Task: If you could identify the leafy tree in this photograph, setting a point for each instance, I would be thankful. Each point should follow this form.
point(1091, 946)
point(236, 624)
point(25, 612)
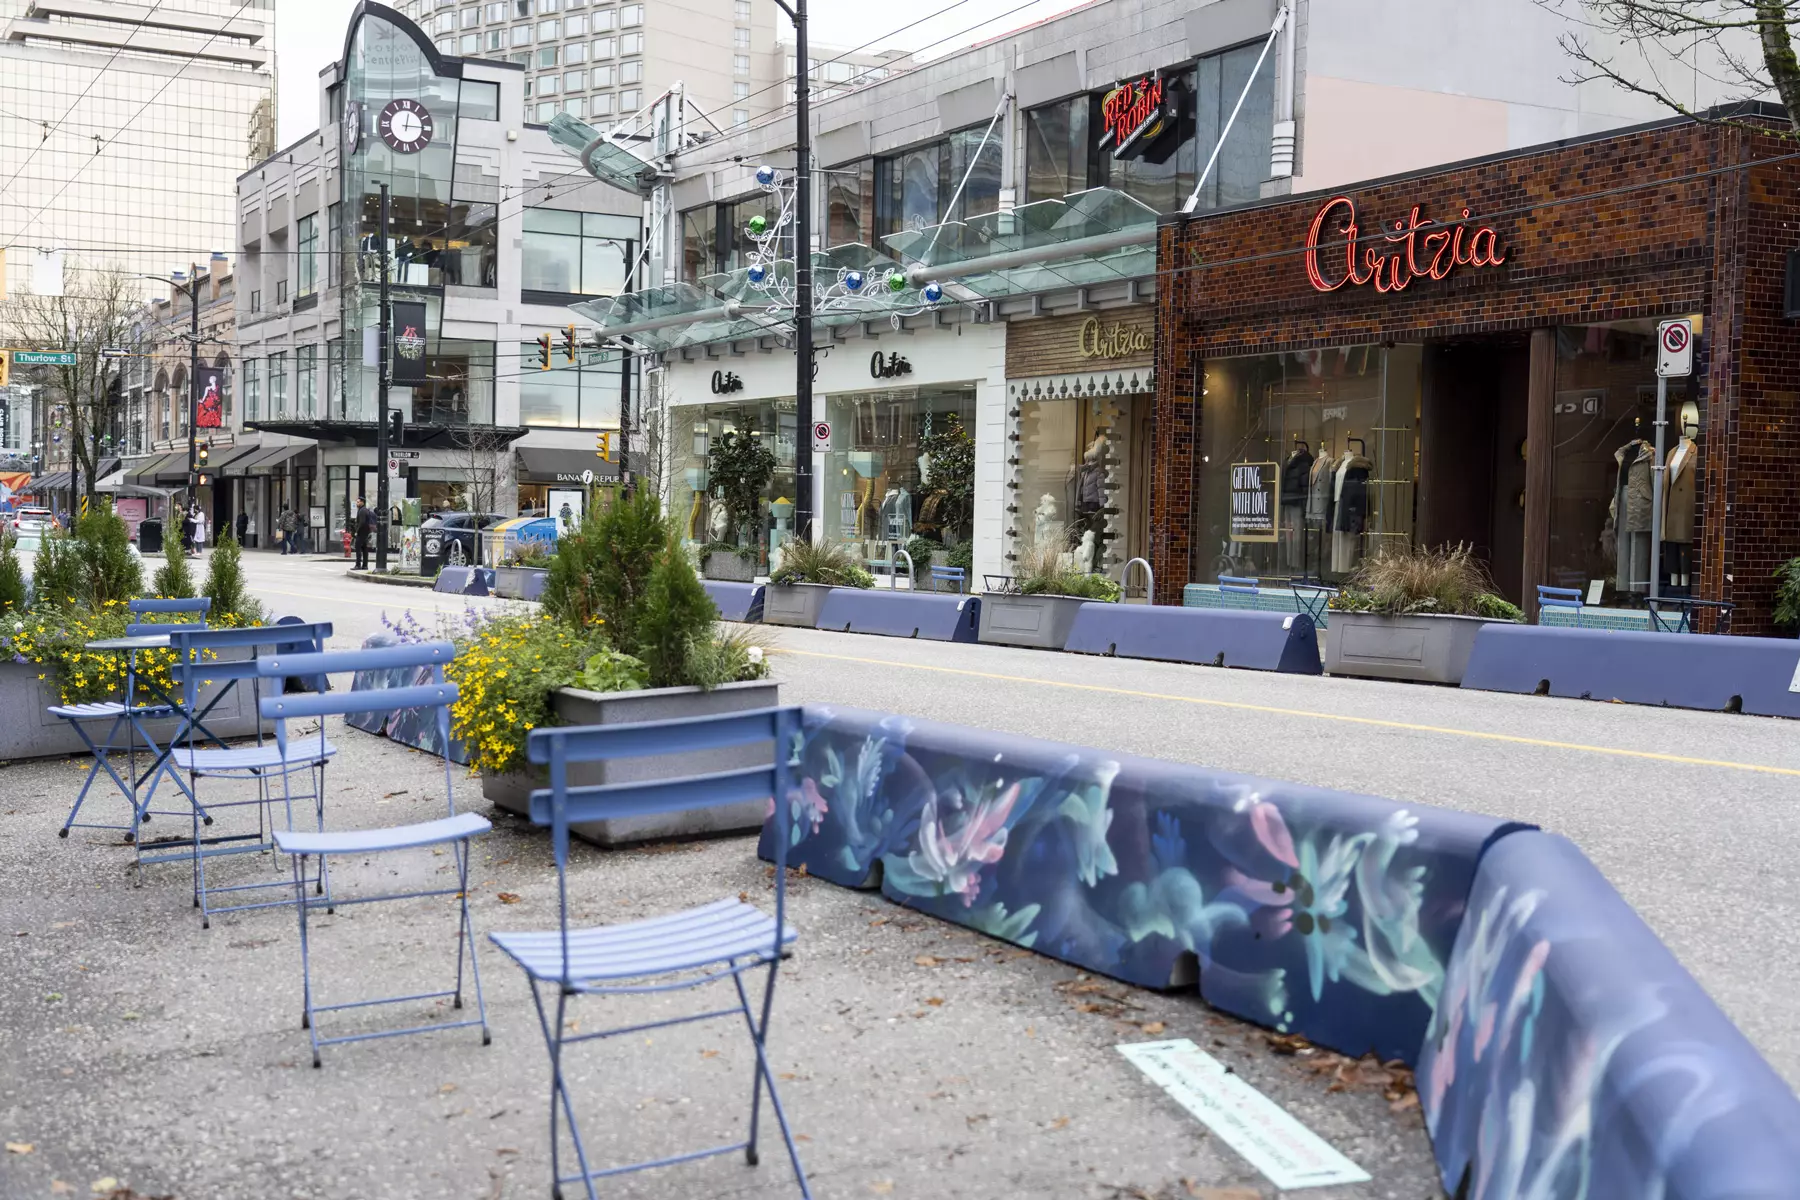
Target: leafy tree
point(951, 469)
point(740, 467)
point(677, 622)
point(109, 572)
point(601, 572)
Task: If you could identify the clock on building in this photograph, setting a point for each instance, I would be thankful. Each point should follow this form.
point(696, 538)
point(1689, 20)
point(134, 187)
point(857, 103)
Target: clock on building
point(406, 126)
point(353, 127)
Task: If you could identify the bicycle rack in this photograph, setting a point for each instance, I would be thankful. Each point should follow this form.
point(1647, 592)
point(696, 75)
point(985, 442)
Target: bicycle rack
point(912, 570)
point(1149, 581)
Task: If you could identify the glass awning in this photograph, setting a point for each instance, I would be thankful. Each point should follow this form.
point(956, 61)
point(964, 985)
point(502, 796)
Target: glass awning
point(606, 160)
point(1092, 237)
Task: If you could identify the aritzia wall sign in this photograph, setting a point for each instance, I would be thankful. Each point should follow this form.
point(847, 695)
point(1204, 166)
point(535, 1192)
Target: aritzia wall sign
point(1138, 119)
point(1393, 256)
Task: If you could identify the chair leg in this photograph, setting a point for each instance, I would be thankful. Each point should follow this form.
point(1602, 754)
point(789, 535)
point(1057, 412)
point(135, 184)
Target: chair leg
point(307, 1020)
point(559, 1092)
point(758, 1036)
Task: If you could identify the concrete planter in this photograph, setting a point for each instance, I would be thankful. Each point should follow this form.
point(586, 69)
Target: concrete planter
point(794, 603)
point(1042, 622)
point(27, 730)
point(728, 568)
point(520, 583)
point(512, 791)
point(1422, 649)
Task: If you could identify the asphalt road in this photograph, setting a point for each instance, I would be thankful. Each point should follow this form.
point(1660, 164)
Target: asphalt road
point(1693, 816)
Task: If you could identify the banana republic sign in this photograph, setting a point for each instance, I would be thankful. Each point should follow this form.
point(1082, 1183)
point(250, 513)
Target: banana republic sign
point(1080, 343)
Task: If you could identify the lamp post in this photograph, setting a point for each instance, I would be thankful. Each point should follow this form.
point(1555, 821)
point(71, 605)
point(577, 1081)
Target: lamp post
point(193, 466)
point(803, 347)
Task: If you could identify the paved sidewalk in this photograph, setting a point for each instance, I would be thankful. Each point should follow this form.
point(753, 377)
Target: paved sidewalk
point(918, 1060)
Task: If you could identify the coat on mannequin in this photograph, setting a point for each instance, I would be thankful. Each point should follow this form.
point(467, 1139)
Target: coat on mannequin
point(1633, 502)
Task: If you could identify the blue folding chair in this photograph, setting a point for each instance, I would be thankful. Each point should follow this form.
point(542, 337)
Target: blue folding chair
point(1557, 597)
point(202, 755)
point(957, 577)
point(677, 951)
point(128, 717)
point(454, 830)
point(1241, 585)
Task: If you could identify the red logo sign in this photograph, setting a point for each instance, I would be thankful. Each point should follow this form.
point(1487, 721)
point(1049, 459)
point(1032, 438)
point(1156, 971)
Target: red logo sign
point(1420, 249)
point(1133, 114)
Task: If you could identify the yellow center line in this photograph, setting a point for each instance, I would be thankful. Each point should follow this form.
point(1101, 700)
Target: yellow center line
point(1240, 706)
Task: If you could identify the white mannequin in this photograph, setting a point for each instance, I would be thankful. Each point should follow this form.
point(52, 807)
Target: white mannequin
point(1047, 519)
point(1084, 556)
point(718, 521)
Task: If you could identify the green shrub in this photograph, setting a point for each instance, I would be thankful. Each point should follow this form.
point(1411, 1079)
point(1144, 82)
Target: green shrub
point(232, 603)
point(1048, 570)
point(1787, 594)
point(504, 672)
point(677, 617)
point(57, 575)
point(961, 555)
point(602, 569)
point(108, 570)
point(610, 671)
point(920, 549)
point(826, 561)
point(747, 553)
point(173, 580)
point(12, 578)
point(951, 452)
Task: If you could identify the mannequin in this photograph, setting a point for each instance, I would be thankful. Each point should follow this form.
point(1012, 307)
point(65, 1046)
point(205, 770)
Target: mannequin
point(718, 521)
point(1090, 484)
point(1631, 508)
point(1046, 520)
point(1296, 491)
point(1678, 508)
point(1084, 556)
point(896, 515)
point(1318, 504)
point(1350, 495)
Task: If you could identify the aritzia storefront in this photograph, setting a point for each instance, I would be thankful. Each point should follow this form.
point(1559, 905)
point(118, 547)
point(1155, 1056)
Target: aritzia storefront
point(1470, 355)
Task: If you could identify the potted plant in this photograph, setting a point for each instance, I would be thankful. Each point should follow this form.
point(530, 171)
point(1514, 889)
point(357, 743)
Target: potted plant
point(739, 468)
point(1049, 591)
point(627, 633)
point(1412, 613)
point(524, 572)
point(808, 571)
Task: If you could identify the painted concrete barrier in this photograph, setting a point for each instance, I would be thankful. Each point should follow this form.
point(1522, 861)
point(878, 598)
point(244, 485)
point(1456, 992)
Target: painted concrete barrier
point(1257, 641)
point(1681, 670)
point(736, 601)
point(1323, 913)
point(409, 726)
point(465, 581)
point(901, 614)
point(1569, 1045)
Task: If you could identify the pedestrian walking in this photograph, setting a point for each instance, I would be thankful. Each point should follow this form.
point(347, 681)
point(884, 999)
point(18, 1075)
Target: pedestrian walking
point(243, 526)
point(302, 534)
point(188, 524)
point(365, 533)
point(284, 529)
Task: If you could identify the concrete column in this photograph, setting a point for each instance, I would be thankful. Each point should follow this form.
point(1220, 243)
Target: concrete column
point(1540, 401)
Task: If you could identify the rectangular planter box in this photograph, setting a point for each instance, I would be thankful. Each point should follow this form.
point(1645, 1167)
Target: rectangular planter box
point(794, 604)
point(1042, 622)
point(520, 583)
point(27, 730)
point(1421, 649)
point(512, 791)
point(729, 568)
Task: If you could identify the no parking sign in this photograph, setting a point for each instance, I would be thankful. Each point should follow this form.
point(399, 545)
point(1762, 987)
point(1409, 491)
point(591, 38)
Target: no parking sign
point(1675, 348)
point(821, 435)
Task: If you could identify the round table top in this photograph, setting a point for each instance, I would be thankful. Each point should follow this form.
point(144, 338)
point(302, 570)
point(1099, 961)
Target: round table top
point(146, 641)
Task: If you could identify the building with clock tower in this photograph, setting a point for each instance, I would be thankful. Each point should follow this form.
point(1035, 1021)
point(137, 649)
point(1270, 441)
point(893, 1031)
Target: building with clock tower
point(490, 237)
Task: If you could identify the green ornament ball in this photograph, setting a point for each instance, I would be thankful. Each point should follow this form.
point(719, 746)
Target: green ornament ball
point(759, 225)
point(896, 282)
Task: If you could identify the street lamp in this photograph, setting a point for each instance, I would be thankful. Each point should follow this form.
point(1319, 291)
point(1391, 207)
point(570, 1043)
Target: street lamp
point(193, 291)
point(803, 347)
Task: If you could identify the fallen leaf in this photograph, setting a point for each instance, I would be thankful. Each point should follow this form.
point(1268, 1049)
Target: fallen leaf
point(19, 1147)
point(1212, 1193)
point(1404, 1102)
point(506, 1150)
point(709, 1054)
point(801, 1137)
point(1153, 1027)
point(882, 1187)
point(925, 960)
point(509, 897)
point(391, 795)
point(59, 1188)
point(446, 1089)
point(1059, 1123)
point(935, 1001)
point(130, 1016)
point(102, 1186)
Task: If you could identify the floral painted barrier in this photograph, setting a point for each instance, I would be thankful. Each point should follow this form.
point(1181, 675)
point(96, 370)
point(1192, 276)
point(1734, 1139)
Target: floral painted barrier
point(1569, 1047)
point(1318, 912)
point(408, 726)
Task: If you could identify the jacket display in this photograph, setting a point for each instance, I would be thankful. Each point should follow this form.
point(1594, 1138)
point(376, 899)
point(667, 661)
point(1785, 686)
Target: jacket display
point(1678, 492)
point(1296, 478)
point(1319, 492)
point(1632, 495)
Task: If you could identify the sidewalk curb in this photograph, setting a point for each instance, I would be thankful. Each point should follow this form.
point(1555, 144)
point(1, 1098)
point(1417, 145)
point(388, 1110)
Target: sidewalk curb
point(412, 581)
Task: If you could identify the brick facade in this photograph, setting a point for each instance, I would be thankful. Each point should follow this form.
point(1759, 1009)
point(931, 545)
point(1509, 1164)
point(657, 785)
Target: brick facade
point(1653, 222)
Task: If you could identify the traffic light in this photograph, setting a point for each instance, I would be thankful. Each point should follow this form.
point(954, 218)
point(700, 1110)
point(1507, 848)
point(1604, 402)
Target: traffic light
point(396, 423)
point(543, 352)
point(569, 344)
point(205, 452)
point(603, 446)
point(5, 366)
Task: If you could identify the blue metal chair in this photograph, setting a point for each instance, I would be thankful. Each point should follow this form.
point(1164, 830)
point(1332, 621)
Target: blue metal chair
point(1557, 597)
point(1241, 585)
point(957, 577)
point(454, 830)
point(681, 950)
point(128, 717)
point(202, 754)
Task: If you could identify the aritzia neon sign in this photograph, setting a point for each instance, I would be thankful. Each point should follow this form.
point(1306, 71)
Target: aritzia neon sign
point(1135, 114)
point(1421, 248)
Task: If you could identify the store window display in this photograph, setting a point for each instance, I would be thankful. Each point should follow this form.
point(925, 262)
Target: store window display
point(694, 430)
point(1337, 430)
point(1602, 476)
point(878, 479)
point(1082, 476)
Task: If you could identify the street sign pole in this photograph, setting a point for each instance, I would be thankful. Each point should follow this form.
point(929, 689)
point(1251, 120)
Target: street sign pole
point(1674, 357)
point(381, 409)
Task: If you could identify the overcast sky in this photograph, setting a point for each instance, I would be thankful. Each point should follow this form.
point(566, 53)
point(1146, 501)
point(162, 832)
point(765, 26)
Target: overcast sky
point(310, 33)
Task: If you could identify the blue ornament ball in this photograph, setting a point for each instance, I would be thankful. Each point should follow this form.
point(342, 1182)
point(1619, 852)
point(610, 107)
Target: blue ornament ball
point(933, 293)
point(765, 175)
point(758, 273)
point(854, 281)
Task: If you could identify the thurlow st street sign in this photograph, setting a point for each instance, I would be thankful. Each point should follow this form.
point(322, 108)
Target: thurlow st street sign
point(43, 358)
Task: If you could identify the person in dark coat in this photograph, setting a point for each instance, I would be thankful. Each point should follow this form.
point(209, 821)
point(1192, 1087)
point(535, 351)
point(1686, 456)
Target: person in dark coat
point(243, 526)
point(188, 527)
point(365, 533)
point(301, 537)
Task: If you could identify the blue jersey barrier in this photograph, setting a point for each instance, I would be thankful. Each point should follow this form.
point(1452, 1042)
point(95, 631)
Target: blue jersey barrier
point(1258, 641)
point(941, 618)
point(736, 601)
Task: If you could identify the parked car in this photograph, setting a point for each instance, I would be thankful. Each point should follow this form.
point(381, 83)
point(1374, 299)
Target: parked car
point(449, 537)
point(29, 520)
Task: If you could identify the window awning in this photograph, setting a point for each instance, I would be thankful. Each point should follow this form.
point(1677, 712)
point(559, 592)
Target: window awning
point(556, 464)
point(237, 452)
point(171, 467)
point(50, 482)
point(266, 458)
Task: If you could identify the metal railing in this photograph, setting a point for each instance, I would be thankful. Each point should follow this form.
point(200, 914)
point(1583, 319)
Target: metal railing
point(1149, 581)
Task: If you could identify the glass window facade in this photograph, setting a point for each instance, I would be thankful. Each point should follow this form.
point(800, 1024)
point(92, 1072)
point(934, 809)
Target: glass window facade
point(306, 247)
point(478, 101)
point(692, 432)
point(1084, 478)
point(913, 189)
point(874, 492)
point(1340, 428)
point(576, 253)
point(306, 363)
point(849, 204)
point(586, 396)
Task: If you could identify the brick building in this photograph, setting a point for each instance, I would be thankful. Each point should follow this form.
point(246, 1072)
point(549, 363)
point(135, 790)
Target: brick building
point(1467, 354)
